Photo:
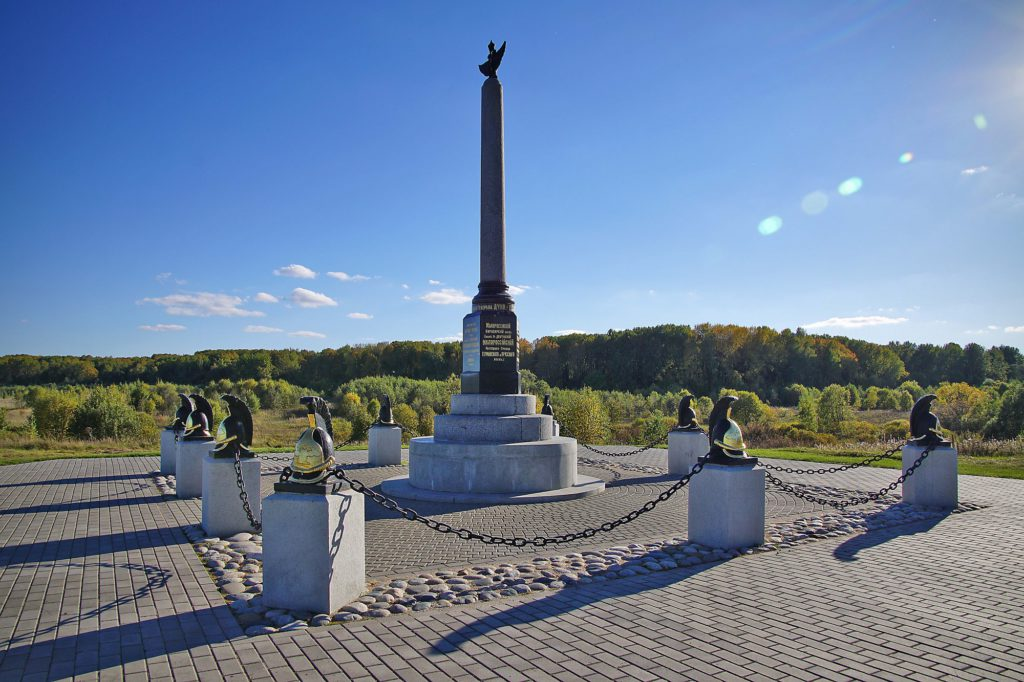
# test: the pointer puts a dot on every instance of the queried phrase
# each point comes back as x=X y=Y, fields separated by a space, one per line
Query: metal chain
x=846 y=467
x=628 y=453
x=244 y=496
x=869 y=497
x=538 y=541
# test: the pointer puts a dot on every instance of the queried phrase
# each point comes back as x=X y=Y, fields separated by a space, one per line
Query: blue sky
x=181 y=176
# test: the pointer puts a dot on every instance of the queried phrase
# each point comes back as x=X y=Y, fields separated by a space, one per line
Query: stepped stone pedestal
x=726 y=506
x=385 y=445
x=684 y=449
x=168 y=452
x=223 y=514
x=188 y=476
x=934 y=483
x=314 y=550
x=492 y=448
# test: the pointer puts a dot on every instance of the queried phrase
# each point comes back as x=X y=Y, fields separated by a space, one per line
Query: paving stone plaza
x=98 y=580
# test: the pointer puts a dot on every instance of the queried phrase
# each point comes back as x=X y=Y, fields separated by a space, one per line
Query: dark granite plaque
x=490 y=351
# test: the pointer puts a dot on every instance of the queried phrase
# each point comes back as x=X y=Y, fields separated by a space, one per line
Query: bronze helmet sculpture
x=924 y=425
x=727 y=446
x=197 y=426
x=687 y=415
x=314 y=451
x=385 y=416
x=234 y=433
x=181 y=416
x=547 y=409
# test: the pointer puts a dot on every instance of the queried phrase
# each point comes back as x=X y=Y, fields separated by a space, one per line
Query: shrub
x=1009 y=419
x=857 y=431
x=896 y=429
x=807 y=411
x=749 y=409
x=105 y=413
x=425 y=419
x=407 y=417
x=832 y=408
x=342 y=429
x=583 y=415
x=53 y=412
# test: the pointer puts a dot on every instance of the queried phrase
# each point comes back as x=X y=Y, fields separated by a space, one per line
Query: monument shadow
x=77 y=548
x=76 y=481
x=850 y=548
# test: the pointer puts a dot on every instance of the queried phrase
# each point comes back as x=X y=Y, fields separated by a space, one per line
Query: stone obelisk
x=490 y=335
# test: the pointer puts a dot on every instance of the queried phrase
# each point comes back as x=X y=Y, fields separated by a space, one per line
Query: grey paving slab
x=97 y=581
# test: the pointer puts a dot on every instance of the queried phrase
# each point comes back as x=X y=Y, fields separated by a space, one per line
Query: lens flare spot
x=980 y=122
x=814 y=203
x=770 y=225
x=850 y=186
x=906 y=157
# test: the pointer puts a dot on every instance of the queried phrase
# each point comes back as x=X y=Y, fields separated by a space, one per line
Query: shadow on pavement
x=82 y=505
x=77 y=548
x=89 y=652
x=76 y=481
x=849 y=549
x=568 y=600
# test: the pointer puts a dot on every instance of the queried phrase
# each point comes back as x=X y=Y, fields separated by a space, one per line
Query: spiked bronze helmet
x=234 y=433
x=727 y=446
x=181 y=416
x=314 y=451
x=197 y=426
x=924 y=425
x=386 y=415
x=548 y=409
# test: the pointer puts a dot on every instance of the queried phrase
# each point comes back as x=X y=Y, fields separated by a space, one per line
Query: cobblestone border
x=236 y=566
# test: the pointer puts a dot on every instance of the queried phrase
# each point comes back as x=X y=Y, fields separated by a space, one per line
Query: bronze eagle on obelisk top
x=490 y=67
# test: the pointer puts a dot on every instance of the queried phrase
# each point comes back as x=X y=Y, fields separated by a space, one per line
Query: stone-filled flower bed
x=236 y=565
x=165 y=484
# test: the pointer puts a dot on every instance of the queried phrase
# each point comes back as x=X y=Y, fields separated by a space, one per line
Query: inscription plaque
x=490 y=351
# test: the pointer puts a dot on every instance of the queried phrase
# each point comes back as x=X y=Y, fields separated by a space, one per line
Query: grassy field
x=999 y=467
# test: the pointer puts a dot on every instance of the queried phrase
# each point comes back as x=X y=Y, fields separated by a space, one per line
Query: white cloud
x=407 y=298
x=1014 y=330
x=260 y=329
x=264 y=297
x=163 y=277
x=308 y=335
x=518 y=289
x=446 y=339
x=162 y=327
x=360 y=316
x=304 y=298
x=345 y=277
x=405 y=286
x=295 y=270
x=855 y=322
x=433 y=282
x=566 y=332
x=445 y=297
x=974 y=171
x=203 y=304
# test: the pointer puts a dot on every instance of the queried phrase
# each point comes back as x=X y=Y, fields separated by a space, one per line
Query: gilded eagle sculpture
x=181 y=416
x=197 y=426
x=490 y=67
x=314 y=451
x=924 y=425
x=234 y=434
x=727 y=446
x=687 y=415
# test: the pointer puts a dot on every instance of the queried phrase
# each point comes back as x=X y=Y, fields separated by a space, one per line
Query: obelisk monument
x=490 y=335
x=492 y=447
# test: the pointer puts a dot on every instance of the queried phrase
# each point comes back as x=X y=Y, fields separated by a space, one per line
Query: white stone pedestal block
x=188 y=469
x=314 y=551
x=385 y=445
x=934 y=483
x=684 y=449
x=223 y=514
x=726 y=506
x=168 y=452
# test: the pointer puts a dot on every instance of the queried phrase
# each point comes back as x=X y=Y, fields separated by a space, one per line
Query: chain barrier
x=628 y=453
x=869 y=497
x=244 y=496
x=831 y=470
x=538 y=541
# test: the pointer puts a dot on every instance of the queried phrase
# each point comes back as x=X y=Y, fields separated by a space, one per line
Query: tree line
x=703 y=358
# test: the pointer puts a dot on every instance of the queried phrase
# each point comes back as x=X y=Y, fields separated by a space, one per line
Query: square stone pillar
x=223 y=513
x=726 y=506
x=385 y=445
x=934 y=483
x=168 y=452
x=684 y=449
x=314 y=550
x=188 y=468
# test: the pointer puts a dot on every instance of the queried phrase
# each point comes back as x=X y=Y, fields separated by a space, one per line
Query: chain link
x=244 y=496
x=538 y=541
x=869 y=497
x=831 y=470
x=628 y=453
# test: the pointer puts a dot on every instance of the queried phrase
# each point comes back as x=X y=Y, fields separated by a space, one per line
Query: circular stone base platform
x=399 y=486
